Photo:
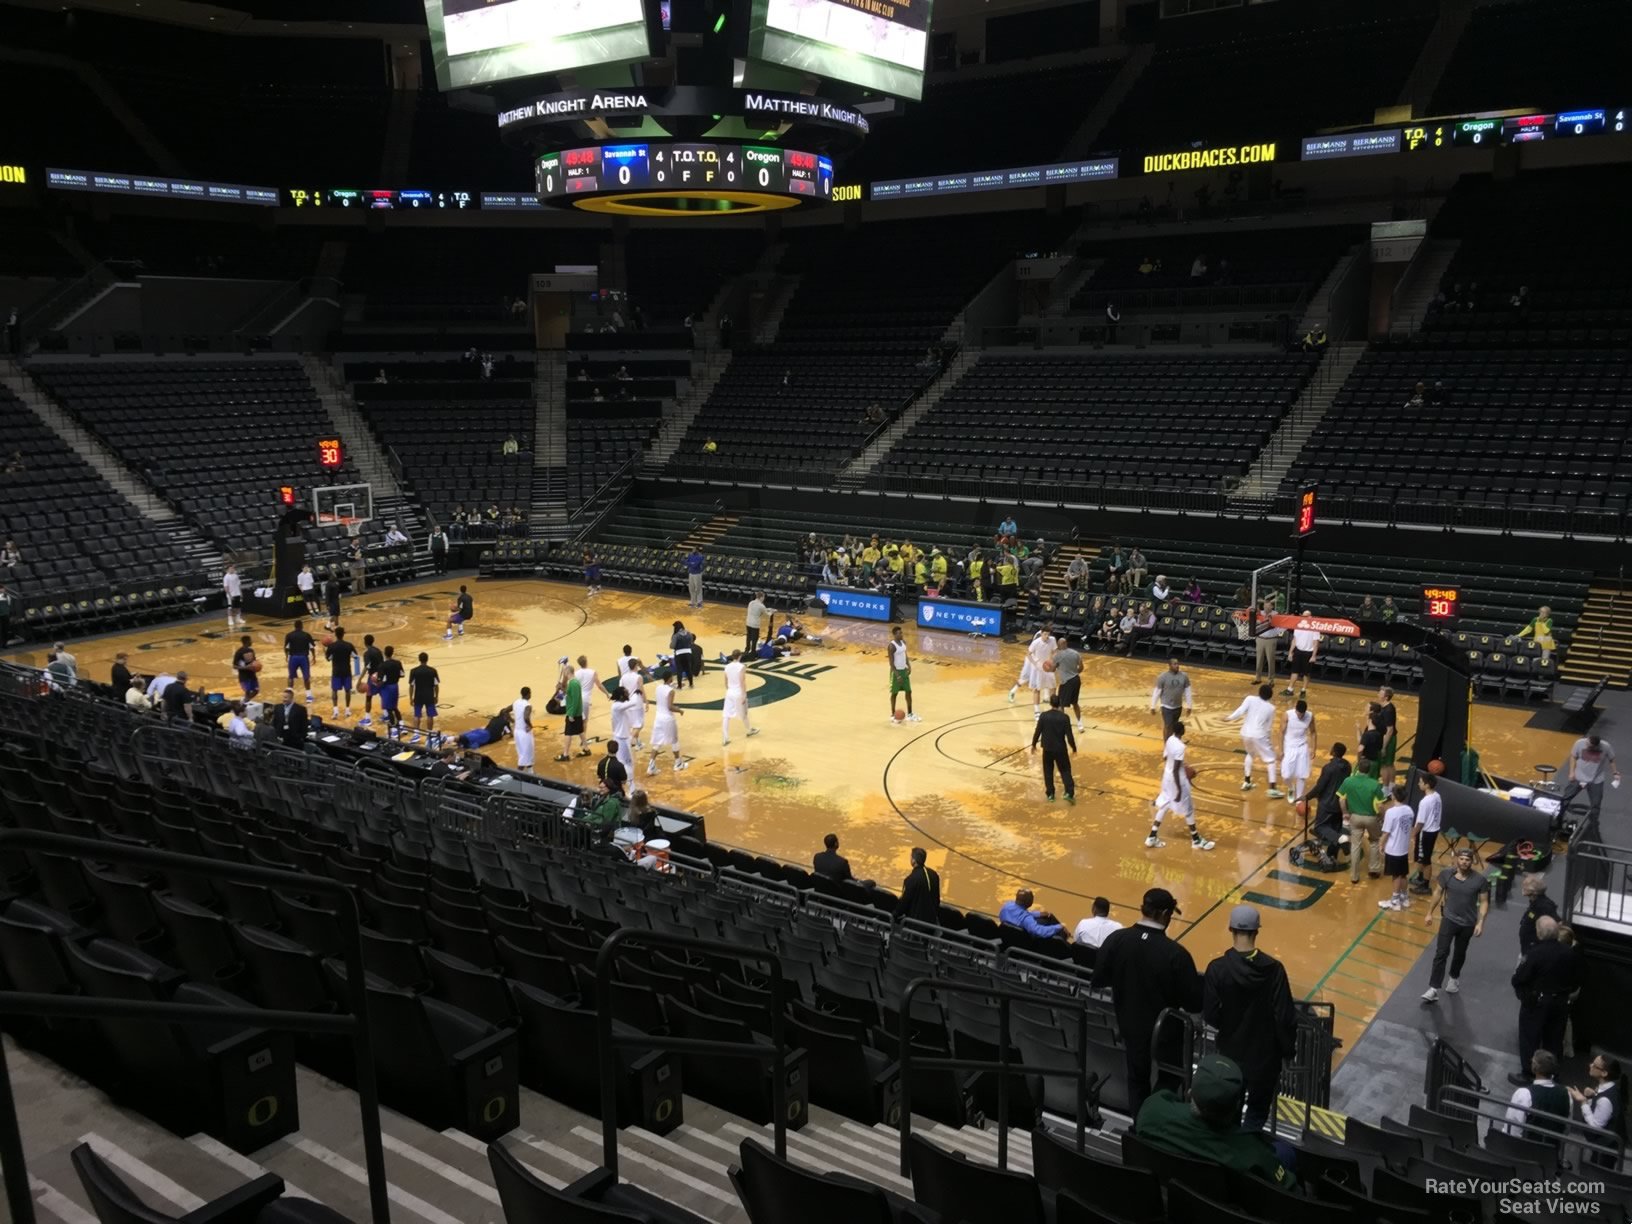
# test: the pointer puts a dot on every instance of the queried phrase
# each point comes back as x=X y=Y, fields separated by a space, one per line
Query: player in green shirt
x=1359 y=796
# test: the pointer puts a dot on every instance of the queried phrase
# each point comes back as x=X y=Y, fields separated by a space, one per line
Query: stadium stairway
x=1083 y=141
x=874 y=452
x=147 y=502
x=548 y=513
x=707 y=534
x=778 y=294
x=1306 y=412
x=707 y=369
x=1060 y=560
x=439 y=1177
x=1601 y=646
x=1422 y=281
x=391 y=501
x=1317 y=312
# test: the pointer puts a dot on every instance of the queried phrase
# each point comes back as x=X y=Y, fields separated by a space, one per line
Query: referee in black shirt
x=1053 y=731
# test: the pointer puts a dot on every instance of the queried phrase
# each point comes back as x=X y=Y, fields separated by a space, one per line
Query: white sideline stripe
x=476 y=1145
x=441 y=1168
x=347 y=1168
x=571 y=1159
x=800 y=1144
x=240 y=1164
x=58 y=1203
x=646 y=1162
x=150 y=1177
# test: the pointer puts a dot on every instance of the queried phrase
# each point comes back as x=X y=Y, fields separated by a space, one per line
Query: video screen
x=878 y=46
x=479 y=42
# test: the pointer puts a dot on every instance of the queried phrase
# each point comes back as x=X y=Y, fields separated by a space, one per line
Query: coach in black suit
x=290 y=720
x=829 y=862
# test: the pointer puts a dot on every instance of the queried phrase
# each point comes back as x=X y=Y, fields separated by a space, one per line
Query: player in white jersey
x=736 y=697
x=521 y=729
x=1297 y=747
x=1033 y=674
x=1175 y=795
x=1257 y=716
x=626 y=660
x=1301 y=659
x=624 y=710
x=306 y=581
x=589 y=683
x=665 y=731
x=233 y=588
x=635 y=686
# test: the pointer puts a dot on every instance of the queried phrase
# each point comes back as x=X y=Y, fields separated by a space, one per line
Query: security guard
x=1544 y=981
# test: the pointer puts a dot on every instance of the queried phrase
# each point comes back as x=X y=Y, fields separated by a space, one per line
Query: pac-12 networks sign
x=1209 y=159
x=960 y=618
x=866 y=605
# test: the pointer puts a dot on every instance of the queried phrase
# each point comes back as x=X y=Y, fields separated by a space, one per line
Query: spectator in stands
x=1193 y=593
x=1144 y=624
x=1198 y=267
x=1389 y=611
x=1159 y=590
x=1247 y=998
x=1520 y=301
x=511 y=446
x=1116 y=563
x=59 y=671
x=725 y=330
x=1438 y=396
x=1367 y=611
x=1077 y=574
x=240 y=731
x=487 y=367
x=1543 y=1094
x=14 y=333
x=380 y=377
x=1113 y=317
x=135 y=698
x=1108 y=633
x=921 y=890
x=1018 y=913
x=1208 y=1126
x=1419 y=395
x=1138 y=568
x=10 y=557
x=393 y=535
x=1034 y=562
x=1540 y=627
x=62 y=652
x=1147 y=972
x=1591 y=757
x=829 y=862
x=120 y=676
x=5 y=617
x=178 y=698
x=1604 y=1104
x=1147 y=266
x=1092 y=930
x=290 y=719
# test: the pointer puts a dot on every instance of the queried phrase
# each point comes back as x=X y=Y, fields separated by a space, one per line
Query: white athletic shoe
x=448 y=636
x=724 y=740
x=1012 y=692
x=651 y=769
x=678 y=766
x=1246 y=784
x=1155 y=843
x=309 y=699
x=753 y=730
x=1389 y=903
x=914 y=718
x=1200 y=843
x=1451 y=986
x=1035 y=714
x=364 y=721
x=1276 y=792
x=1430 y=995
x=336 y=713
x=1080 y=727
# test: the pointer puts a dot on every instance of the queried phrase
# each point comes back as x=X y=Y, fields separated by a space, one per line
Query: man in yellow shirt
x=871 y=554
x=977 y=573
x=920 y=571
x=910 y=554
x=937 y=567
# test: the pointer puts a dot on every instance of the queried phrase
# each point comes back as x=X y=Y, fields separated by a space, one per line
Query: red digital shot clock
x=329 y=453
x=1441 y=603
x=1306 y=513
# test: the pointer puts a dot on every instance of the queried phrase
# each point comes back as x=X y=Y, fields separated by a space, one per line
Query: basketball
x=900 y=717
x=1190 y=772
x=1301 y=807
x=255 y=666
x=1436 y=766
x=328 y=639
x=1048 y=665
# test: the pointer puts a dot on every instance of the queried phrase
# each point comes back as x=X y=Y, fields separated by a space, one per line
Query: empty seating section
x=1572 y=57
x=1498 y=600
x=450 y=437
x=142 y=246
x=434 y=275
x=1269 y=72
x=83 y=546
x=599 y=447
x=216 y=438
x=1180 y=421
x=101 y=140
x=1042 y=108
x=868 y=306
x=676 y=272
x=1264 y=269
x=1548 y=428
x=1576 y=278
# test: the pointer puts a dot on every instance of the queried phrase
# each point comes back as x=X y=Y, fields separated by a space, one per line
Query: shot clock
x=1441 y=604
x=330 y=454
x=1304 y=525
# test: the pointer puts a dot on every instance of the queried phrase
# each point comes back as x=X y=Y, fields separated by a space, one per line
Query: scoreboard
x=684 y=167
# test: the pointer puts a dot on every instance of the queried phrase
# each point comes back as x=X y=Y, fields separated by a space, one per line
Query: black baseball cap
x=1161 y=899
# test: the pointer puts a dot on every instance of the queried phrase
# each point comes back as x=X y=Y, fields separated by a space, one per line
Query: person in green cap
x=1208 y=1125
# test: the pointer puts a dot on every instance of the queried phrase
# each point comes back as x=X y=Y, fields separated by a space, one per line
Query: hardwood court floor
x=960 y=783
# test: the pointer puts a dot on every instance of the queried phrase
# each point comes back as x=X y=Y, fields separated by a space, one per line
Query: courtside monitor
x=878 y=46
x=482 y=42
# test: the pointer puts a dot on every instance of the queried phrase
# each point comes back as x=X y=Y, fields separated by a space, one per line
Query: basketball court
x=961 y=783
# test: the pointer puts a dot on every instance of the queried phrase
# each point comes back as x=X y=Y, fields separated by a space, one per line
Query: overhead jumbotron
x=680 y=108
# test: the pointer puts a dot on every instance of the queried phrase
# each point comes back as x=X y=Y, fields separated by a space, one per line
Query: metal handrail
x=18 y=1194
x=1475 y=1104
x=1001 y=1065
x=607 y=1040
x=1447 y=1068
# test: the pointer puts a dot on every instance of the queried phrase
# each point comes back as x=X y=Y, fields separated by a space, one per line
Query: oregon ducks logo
x=495 y=1109
x=262 y=1111
x=779 y=679
x=664 y=1109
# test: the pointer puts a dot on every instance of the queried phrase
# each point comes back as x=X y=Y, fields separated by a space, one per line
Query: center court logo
x=779 y=680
